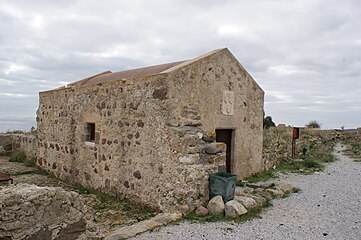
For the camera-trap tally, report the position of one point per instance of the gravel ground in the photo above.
(328, 207)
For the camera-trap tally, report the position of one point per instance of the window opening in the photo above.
(91, 132)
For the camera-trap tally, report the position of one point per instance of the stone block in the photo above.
(214, 148)
(285, 187)
(189, 159)
(216, 205)
(275, 193)
(247, 202)
(201, 211)
(40, 212)
(234, 209)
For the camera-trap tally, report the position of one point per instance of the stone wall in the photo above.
(32, 212)
(199, 91)
(6, 144)
(24, 142)
(358, 133)
(132, 153)
(154, 136)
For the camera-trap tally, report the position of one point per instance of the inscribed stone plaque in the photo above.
(228, 103)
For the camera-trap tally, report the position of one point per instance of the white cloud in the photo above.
(13, 68)
(16, 95)
(38, 21)
(284, 69)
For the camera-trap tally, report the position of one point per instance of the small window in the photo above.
(91, 132)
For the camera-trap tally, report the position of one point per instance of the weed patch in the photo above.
(354, 146)
(18, 156)
(261, 177)
(286, 194)
(138, 211)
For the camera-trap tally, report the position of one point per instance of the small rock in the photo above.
(238, 191)
(216, 205)
(275, 193)
(248, 190)
(184, 209)
(285, 187)
(247, 202)
(201, 211)
(234, 209)
(263, 193)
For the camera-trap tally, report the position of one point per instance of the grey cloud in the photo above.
(296, 50)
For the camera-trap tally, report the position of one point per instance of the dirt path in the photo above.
(328, 207)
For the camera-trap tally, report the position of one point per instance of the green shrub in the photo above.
(309, 163)
(261, 176)
(18, 156)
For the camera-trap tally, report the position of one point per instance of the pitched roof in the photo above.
(133, 73)
(138, 72)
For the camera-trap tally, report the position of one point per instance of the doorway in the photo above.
(226, 136)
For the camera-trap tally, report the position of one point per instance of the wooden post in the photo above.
(293, 148)
(295, 135)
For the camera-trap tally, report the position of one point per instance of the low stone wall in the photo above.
(31, 212)
(6, 143)
(358, 133)
(24, 142)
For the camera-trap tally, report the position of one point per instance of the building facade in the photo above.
(156, 133)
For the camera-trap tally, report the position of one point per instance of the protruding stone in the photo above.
(234, 209)
(190, 159)
(184, 209)
(214, 148)
(216, 205)
(194, 123)
(209, 137)
(173, 122)
(219, 158)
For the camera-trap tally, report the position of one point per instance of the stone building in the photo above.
(155, 133)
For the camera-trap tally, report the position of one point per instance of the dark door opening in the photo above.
(226, 136)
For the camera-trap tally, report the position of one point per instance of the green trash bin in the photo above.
(223, 184)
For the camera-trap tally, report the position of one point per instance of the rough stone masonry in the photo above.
(151, 133)
(32, 212)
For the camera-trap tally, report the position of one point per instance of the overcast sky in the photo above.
(305, 54)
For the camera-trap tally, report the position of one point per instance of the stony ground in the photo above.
(328, 207)
(100, 217)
